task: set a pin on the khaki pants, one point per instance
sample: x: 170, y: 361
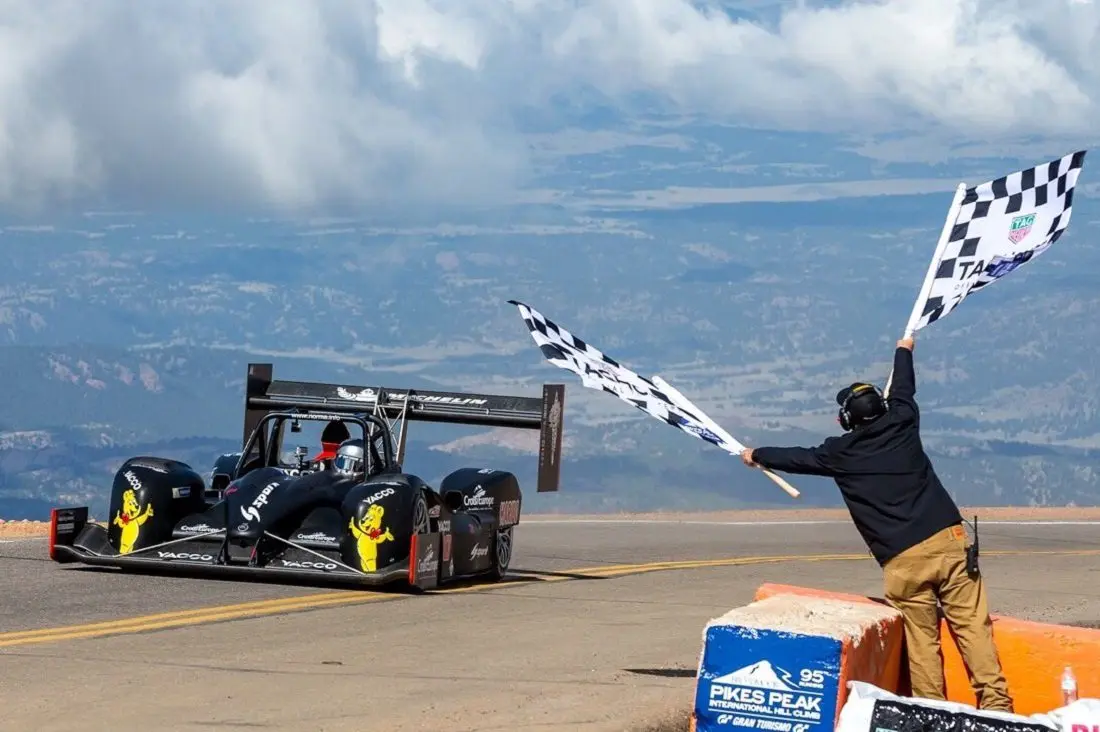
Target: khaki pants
x: 935, y: 570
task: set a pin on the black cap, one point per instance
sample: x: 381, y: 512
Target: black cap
x: 861, y: 409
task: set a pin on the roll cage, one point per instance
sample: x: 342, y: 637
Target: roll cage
x: 263, y: 446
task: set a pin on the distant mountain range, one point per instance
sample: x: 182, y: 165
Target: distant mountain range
x: 125, y: 334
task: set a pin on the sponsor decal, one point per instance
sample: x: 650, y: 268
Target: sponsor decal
x: 295, y: 472
x: 197, y: 529
x: 1020, y: 227
x: 509, y: 512
x: 131, y: 517
x: 446, y: 547
x: 307, y: 565
x: 369, y: 533
x: 150, y: 466
x: 242, y: 527
x: 252, y: 512
x: 427, y: 562
x: 316, y: 536
x: 555, y: 420
x: 182, y: 491
x: 370, y: 395
x: 459, y: 401
x: 479, y: 551
x: 478, y: 500
x: 363, y: 395
x: 132, y: 480
x: 445, y: 526
x: 185, y: 555
x: 321, y: 417
x: 767, y: 697
x: 485, y: 471
x: 379, y: 495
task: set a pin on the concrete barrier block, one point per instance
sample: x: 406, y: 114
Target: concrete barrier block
x: 783, y: 663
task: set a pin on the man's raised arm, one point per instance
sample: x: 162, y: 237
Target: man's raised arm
x: 903, y: 382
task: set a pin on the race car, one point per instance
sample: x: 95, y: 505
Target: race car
x: 262, y: 513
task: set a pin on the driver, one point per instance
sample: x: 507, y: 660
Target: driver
x: 334, y: 434
x: 350, y: 460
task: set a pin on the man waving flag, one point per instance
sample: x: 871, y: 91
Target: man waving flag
x: 993, y: 228
x: 656, y: 398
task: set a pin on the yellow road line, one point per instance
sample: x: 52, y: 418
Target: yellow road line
x: 260, y: 608
x: 143, y: 624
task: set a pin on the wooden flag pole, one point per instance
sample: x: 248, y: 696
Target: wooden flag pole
x: 930, y: 275
x: 710, y: 423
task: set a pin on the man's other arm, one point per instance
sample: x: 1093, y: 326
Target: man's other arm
x: 903, y: 383
x: 797, y: 460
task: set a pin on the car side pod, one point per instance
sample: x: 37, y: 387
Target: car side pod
x: 65, y: 525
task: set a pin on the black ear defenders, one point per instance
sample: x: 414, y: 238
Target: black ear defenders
x: 844, y: 416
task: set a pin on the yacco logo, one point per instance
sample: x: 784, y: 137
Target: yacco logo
x: 185, y: 555
x: 308, y: 565
x: 478, y: 499
x: 379, y: 495
x: 252, y: 513
x: 132, y: 480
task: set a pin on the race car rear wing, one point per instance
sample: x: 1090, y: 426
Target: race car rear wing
x: 264, y: 394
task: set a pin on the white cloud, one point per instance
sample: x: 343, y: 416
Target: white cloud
x: 299, y: 104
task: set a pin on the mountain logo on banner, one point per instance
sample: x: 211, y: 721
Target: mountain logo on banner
x: 761, y: 675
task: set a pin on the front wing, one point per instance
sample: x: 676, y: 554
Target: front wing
x: 74, y: 539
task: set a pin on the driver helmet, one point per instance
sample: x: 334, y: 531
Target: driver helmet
x: 350, y: 457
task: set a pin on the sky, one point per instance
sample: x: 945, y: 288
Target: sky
x: 308, y: 107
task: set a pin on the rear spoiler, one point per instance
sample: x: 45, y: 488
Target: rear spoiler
x: 264, y: 394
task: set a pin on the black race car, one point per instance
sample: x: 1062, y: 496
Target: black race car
x: 262, y: 515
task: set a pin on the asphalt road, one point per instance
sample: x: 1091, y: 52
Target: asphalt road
x: 599, y: 630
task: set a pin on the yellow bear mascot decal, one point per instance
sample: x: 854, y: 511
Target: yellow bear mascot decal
x: 368, y: 535
x: 130, y: 519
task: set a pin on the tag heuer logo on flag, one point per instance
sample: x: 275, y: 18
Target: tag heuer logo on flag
x: 1020, y: 227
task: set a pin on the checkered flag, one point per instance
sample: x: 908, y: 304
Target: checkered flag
x: 599, y: 371
x: 992, y: 229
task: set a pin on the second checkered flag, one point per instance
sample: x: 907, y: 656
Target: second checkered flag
x: 656, y: 397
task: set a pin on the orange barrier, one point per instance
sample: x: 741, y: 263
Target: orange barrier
x: 1033, y: 656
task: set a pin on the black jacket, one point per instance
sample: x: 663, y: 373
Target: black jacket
x: 892, y: 491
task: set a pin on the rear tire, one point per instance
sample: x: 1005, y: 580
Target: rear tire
x: 421, y: 524
x: 502, y: 553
